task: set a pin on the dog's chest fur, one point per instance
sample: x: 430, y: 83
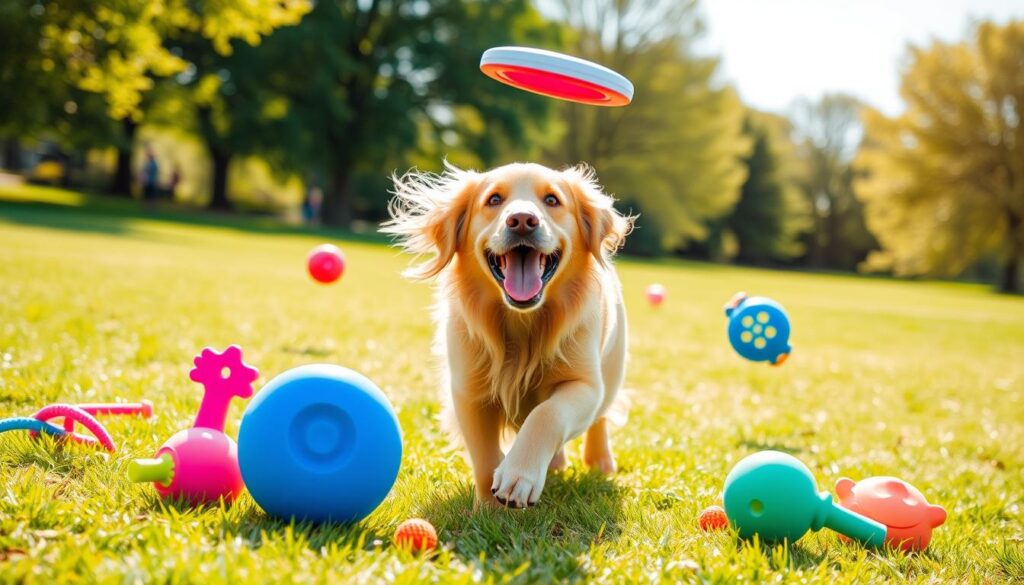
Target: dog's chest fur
x: 523, y: 361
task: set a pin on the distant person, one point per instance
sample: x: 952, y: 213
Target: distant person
x: 172, y: 187
x: 311, y: 206
x: 150, y: 172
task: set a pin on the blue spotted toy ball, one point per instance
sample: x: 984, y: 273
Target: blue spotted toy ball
x: 319, y: 442
x: 758, y: 329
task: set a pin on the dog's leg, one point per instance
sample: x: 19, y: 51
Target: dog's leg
x: 597, y: 447
x: 559, y: 461
x: 480, y: 425
x: 520, y: 478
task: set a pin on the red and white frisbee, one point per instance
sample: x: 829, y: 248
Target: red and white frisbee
x: 557, y: 75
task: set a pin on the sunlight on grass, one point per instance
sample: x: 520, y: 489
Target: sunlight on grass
x: 41, y: 194
x: 921, y: 381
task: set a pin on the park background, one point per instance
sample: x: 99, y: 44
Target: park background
x: 262, y: 105
x: 793, y: 177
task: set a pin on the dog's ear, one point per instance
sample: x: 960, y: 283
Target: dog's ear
x: 603, y: 228
x: 428, y: 216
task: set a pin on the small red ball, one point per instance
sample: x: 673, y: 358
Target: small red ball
x: 713, y: 518
x: 416, y: 534
x: 326, y: 263
x: 656, y: 294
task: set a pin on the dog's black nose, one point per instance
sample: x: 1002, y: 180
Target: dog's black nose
x: 523, y: 222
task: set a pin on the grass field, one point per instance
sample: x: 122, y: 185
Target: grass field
x: 919, y: 380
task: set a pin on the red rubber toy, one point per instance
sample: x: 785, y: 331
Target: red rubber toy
x: 713, y: 518
x: 326, y: 263
x: 417, y: 535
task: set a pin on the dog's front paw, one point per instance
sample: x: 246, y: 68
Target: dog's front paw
x: 518, y: 486
x: 485, y: 500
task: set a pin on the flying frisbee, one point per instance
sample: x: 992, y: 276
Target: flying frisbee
x: 557, y: 75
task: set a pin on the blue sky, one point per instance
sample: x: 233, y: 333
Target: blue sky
x: 775, y: 51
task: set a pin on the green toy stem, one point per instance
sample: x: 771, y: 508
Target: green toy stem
x: 160, y: 469
x: 852, y: 524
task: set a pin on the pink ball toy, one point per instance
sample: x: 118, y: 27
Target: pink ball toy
x: 200, y: 464
x: 656, y: 294
x: 906, y: 513
x: 326, y: 263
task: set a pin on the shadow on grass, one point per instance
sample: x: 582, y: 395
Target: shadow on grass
x: 793, y: 556
x: 62, y: 217
x: 113, y: 216
x: 755, y: 446
x: 245, y: 520
x: 541, y: 544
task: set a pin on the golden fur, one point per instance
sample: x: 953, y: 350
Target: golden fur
x: 504, y: 362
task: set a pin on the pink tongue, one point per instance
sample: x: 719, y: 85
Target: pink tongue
x: 522, y: 275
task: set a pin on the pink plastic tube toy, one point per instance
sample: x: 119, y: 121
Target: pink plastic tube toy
x: 200, y: 464
x: 85, y: 414
x: 143, y: 409
x: 73, y: 414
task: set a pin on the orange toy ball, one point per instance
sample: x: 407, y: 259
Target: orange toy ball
x: 713, y: 518
x: 416, y: 534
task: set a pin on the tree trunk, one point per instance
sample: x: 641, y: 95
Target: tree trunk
x: 221, y: 162
x: 1011, y: 276
x: 1011, y: 269
x: 337, y: 209
x: 122, y: 183
x: 12, y: 155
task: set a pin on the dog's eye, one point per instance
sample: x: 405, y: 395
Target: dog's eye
x: 494, y: 200
x: 551, y: 201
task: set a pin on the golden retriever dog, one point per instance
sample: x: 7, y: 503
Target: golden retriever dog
x: 530, y: 315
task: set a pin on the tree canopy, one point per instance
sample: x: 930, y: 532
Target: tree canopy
x: 944, y: 182
x: 829, y: 131
x: 772, y: 211
x: 396, y: 80
x: 674, y: 154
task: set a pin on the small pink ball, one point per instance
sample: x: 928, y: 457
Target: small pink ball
x: 656, y: 294
x: 326, y: 263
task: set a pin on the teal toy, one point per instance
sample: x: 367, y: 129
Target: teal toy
x: 774, y: 496
x: 758, y: 328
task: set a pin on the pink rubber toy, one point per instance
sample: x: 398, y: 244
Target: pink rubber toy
x: 907, y: 515
x: 73, y: 414
x: 656, y: 294
x: 200, y: 464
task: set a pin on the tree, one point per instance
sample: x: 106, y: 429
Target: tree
x: 675, y: 152
x: 236, y: 111
x: 383, y: 81
x: 944, y: 182
x: 829, y: 131
x: 772, y: 211
x: 36, y: 100
x: 117, y: 49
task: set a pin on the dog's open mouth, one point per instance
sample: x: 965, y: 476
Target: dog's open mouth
x: 522, y: 272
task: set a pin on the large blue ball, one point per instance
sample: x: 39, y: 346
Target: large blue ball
x: 320, y: 442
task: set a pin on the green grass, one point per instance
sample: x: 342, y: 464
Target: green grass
x: 919, y: 380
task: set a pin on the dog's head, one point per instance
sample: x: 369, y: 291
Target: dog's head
x: 524, y: 227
